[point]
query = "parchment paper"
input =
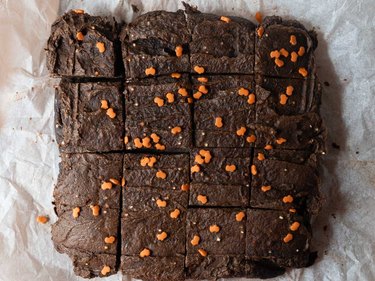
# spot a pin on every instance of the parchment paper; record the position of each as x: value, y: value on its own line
x: 343, y: 232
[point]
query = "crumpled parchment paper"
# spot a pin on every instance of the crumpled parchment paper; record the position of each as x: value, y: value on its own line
x: 344, y: 232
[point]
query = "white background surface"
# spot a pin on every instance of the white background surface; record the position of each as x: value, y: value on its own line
x: 29, y: 155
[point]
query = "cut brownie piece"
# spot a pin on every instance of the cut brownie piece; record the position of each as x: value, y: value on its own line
x: 156, y: 43
x: 284, y: 180
x: 279, y: 236
x: 81, y: 45
x: 220, y: 44
x: 284, y: 48
x: 158, y: 114
x: 89, y: 238
x: 89, y: 117
x: 220, y: 177
x: 227, y: 266
x: 224, y: 111
x: 88, y: 180
x: 154, y: 268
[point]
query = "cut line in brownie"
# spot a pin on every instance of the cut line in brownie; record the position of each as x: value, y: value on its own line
x: 220, y: 44
x: 281, y: 237
x: 158, y: 114
x: 156, y: 43
x: 284, y: 48
x: 224, y: 110
x: 82, y: 45
x: 89, y: 117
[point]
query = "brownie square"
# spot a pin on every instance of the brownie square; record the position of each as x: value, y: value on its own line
x: 81, y: 45
x: 284, y: 179
x: 90, y: 240
x: 219, y: 231
x: 220, y: 44
x: 281, y: 237
x: 284, y: 48
x: 154, y: 268
x: 226, y: 108
x: 89, y: 117
x: 158, y: 108
x: 82, y: 178
x: 152, y: 40
x: 148, y: 170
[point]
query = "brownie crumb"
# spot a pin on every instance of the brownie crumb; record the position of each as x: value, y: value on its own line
x: 135, y: 8
x: 335, y: 145
x: 326, y: 83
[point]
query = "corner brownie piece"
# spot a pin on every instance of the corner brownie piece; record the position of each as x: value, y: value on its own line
x: 220, y: 177
x: 89, y: 117
x: 278, y: 236
x: 225, y: 112
x: 220, y: 44
x: 158, y: 42
x: 158, y: 114
x: 81, y: 45
x: 284, y: 48
x: 284, y: 180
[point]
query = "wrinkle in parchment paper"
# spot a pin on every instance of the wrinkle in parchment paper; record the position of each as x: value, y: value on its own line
x: 343, y: 232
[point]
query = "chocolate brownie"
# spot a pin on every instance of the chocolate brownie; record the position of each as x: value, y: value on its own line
x: 88, y: 179
x: 158, y: 114
x: 156, y: 43
x: 284, y: 180
x: 220, y: 44
x: 281, y: 237
x: 81, y: 45
x: 224, y: 111
x: 284, y: 48
x: 89, y: 117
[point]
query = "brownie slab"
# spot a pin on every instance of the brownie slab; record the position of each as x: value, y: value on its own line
x: 284, y: 180
x: 224, y: 111
x: 284, y: 48
x: 220, y: 44
x: 157, y: 40
x: 281, y: 237
x: 82, y: 178
x: 81, y: 45
x: 154, y: 268
x: 158, y: 114
x: 89, y: 117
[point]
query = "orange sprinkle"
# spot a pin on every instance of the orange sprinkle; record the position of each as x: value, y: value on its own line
x: 261, y: 156
x: 225, y: 19
x: 258, y: 17
x: 144, y: 161
x: 241, y: 131
x: 203, y: 89
x: 79, y: 36
x: 230, y: 168
x: 76, y: 212
x: 254, y: 170
x: 105, y: 270
x: 162, y: 236
x: 126, y: 139
x: 95, y: 210
x: 137, y: 143
x: 265, y: 188
x: 206, y: 154
x: 243, y: 92
x: 288, y: 199
x: 292, y: 210
x: 155, y: 138
x: 106, y: 185
x: 185, y: 187
x: 189, y: 100
x: 182, y: 92
x: 275, y: 54
x: 202, y: 79
x: 260, y: 31
x: 288, y: 238
x: 197, y: 95
x: 150, y: 71
x: 161, y: 175
x: 176, y: 130
x: 251, y: 138
x: 293, y: 56
x: 283, y: 99
x: 161, y: 203
x: 151, y: 161
x: 195, y: 169
x: 170, y: 97
x: 214, y: 228
x: 175, y: 75
x: 159, y: 101
x: 280, y: 140
x: 175, y: 214
x: 289, y: 90
x: 279, y: 62
x: 109, y: 239
x: 159, y: 146
x: 240, y: 216
x: 251, y: 99
x: 293, y: 40
x: 146, y: 142
x: 301, y: 51
x: 294, y: 226
x: 202, y: 199
x: 114, y: 181
x: 268, y: 147
x: 145, y: 253
x: 198, y: 159
x: 202, y: 252
x: 284, y: 52
x: 198, y: 69
x: 218, y: 122
x: 78, y: 11
x: 42, y: 219
x: 195, y: 240
x: 101, y: 47
x: 178, y: 51
x: 302, y: 71
x: 123, y: 181
x: 104, y: 104
x: 111, y: 113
